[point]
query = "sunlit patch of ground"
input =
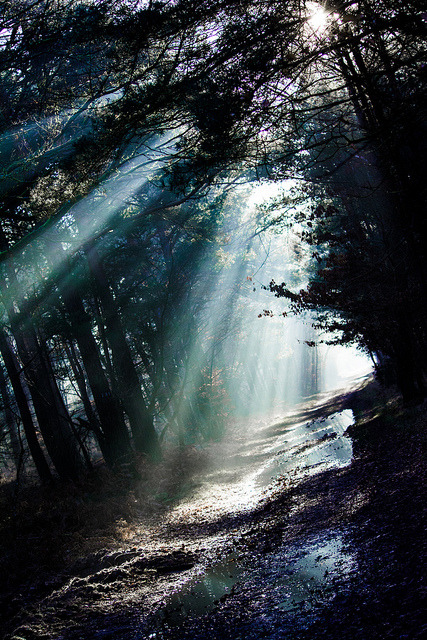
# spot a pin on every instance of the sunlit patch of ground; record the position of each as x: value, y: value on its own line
x: 97, y: 549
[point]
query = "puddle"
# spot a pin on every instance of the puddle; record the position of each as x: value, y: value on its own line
x: 310, y: 577
x: 288, y: 581
x: 199, y: 596
x: 292, y: 577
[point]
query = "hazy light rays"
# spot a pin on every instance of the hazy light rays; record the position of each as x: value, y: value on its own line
x: 31, y: 146
x: 29, y: 150
x: 215, y: 295
x: 268, y: 354
x: 262, y: 356
x: 278, y: 349
x: 45, y: 256
x: 31, y: 139
x: 260, y: 367
x: 217, y: 328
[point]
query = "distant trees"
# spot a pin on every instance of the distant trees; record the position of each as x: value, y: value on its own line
x: 366, y: 162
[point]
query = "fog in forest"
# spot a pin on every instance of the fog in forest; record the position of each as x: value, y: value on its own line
x: 235, y: 349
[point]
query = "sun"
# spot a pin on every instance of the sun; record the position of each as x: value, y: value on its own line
x: 318, y: 18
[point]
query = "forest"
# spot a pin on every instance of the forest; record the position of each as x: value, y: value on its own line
x: 200, y: 202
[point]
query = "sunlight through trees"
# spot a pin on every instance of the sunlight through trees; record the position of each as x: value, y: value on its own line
x: 137, y: 278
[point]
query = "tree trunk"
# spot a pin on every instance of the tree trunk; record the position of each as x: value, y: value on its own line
x: 115, y: 442
x: 52, y: 416
x: 79, y: 376
x: 410, y: 374
x: 12, y: 369
x: 140, y: 420
x: 10, y: 421
x: 104, y: 344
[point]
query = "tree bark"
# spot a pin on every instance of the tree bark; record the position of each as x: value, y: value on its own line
x: 12, y: 369
x: 10, y: 421
x: 141, y: 422
x: 115, y: 442
x: 79, y: 376
x: 52, y: 415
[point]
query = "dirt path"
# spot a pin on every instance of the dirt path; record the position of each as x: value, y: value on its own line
x: 280, y: 535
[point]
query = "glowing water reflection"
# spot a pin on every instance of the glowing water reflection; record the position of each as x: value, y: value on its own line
x: 239, y: 477
x: 281, y: 583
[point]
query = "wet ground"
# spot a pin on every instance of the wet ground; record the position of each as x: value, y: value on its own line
x: 284, y: 533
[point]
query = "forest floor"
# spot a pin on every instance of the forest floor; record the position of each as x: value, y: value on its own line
x: 293, y: 530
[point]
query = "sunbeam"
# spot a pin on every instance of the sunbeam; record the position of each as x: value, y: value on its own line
x: 213, y: 329
x: 90, y: 217
x: 245, y: 337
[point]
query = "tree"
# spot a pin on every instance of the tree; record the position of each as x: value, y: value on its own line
x: 373, y: 277
x: 313, y: 102
x: 55, y: 96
